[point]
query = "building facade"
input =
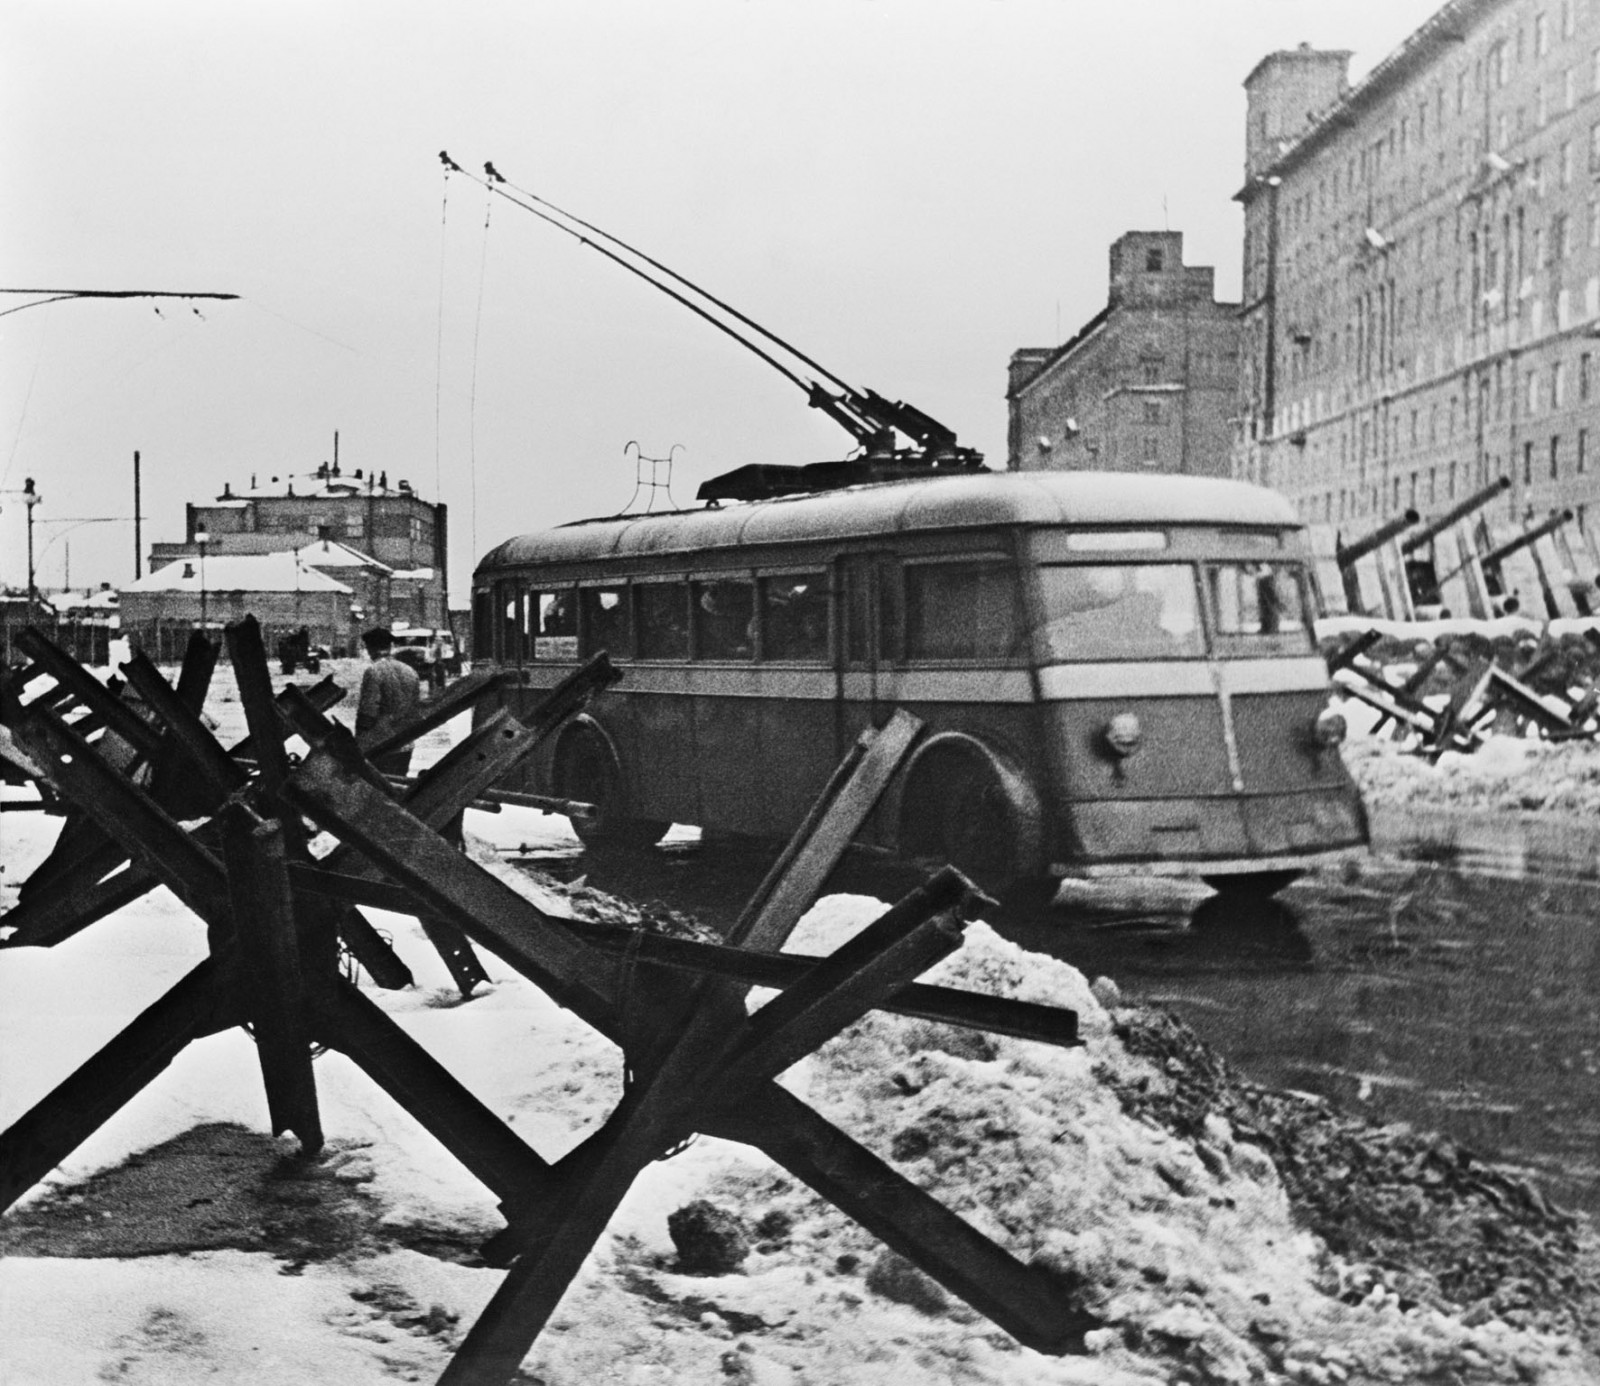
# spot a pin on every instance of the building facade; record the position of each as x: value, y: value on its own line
x: 1422, y: 269
x: 405, y: 535
x: 1148, y: 383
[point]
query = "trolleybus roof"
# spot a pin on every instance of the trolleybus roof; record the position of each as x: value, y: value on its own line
x: 935, y: 503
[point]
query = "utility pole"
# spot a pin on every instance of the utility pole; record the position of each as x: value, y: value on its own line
x: 138, y: 523
x: 30, y: 498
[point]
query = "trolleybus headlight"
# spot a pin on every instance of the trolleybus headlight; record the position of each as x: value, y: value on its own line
x: 1123, y: 734
x: 1330, y: 729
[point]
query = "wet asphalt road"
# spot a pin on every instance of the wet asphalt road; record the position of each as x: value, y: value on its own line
x: 1406, y: 991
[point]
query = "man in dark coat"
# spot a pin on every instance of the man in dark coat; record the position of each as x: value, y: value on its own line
x: 390, y: 693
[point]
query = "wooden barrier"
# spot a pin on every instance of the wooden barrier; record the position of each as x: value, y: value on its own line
x: 696, y: 1059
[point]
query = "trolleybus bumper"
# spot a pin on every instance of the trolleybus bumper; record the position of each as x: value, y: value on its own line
x: 1235, y: 866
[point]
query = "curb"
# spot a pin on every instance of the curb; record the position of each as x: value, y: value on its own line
x: 1495, y: 842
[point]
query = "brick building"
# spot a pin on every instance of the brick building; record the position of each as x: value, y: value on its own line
x: 404, y: 534
x: 1147, y: 383
x: 1422, y: 268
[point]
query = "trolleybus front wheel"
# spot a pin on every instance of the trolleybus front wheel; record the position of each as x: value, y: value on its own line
x: 1252, y: 885
x: 964, y: 805
x: 1246, y: 900
x: 586, y: 769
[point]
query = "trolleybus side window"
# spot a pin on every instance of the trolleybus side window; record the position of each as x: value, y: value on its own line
x: 508, y: 621
x: 1258, y: 608
x: 603, y: 621
x: 794, y: 617
x: 555, y: 631
x: 961, y: 611
x: 870, y: 586
x: 724, y: 618
x: 1120, y: 611
x: 661, y: 610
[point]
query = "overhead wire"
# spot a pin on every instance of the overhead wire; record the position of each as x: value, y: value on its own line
x: 727, y: 308
x: 438, y: 344
x: 472, y: 393
x: 499, y: 187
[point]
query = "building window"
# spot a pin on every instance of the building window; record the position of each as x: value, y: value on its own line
x: 1154, y: 261
x: 1566, y: 19
x: 1151, y: 452
x: 1527, y: 465
x: 1558, y: 384
x: 1533, y: 392
x: 1585, y: 364
x: 1583, y: 449
x: 1541, y: 37
x: 1594, y: 149
x: 1150, y: 370
x: 1566, y: 164
x: 1555, y: 455
x: 1152, y: 411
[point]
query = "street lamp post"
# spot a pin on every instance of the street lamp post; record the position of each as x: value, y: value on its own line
x: 202, y: 537
x: 30, y: 498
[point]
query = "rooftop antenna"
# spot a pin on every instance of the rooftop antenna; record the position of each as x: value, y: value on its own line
x: 654, y: 482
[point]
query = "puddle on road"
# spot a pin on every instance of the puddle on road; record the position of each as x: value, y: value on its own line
x: 1409, y: 992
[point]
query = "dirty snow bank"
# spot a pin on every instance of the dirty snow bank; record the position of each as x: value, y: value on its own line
x: 1506, y: 774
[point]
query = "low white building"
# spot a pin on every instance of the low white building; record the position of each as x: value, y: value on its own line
x: 283, y: 593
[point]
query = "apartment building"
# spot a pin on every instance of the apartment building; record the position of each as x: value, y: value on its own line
x: 1422, y: 268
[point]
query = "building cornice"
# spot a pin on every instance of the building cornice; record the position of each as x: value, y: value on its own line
x: 1449, y: 26
x: 1060, y: 354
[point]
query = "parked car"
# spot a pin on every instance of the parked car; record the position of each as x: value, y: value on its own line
x: 419, y: 647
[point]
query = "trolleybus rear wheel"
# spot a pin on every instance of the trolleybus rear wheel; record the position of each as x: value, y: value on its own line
x: 964, y: 805
x: 586, y: 769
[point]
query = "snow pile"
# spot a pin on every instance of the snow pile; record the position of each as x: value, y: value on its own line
x: 1507, y: 774
x: 1186, y: 1247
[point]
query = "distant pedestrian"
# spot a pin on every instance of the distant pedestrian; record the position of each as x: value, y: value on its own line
x: 390, y: 694
x: 435, y: 664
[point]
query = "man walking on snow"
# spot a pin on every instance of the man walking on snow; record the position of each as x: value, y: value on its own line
x: 390, y: 693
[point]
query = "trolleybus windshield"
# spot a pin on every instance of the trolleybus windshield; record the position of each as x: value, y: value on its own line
x: 1120, y: 611
x: 1259, y: 608
x: 1152, y: 610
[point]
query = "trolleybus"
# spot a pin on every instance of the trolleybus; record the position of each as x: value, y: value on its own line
x: 1117, y: 672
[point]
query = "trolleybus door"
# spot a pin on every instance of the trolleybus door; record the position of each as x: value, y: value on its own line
x: 863, y: 585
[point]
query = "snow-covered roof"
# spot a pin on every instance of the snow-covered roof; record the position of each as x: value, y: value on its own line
x: 330, y: 553
x: 252, y: 572
x: 102, y: 599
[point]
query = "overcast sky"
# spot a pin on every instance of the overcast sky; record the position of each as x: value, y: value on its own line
x: 908, y: 191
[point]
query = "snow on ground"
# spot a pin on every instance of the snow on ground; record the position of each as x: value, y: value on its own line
x: 1505, y: 774
x: 1187, y: 1249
